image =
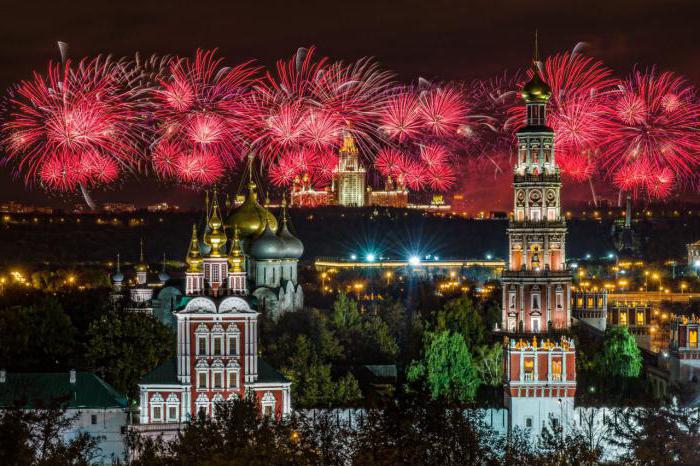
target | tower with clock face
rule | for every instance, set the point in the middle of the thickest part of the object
(536, 283)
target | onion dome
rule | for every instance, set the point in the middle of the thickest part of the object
(292, 247)
(215, 237)
(235, 258)
(250, 217)
(268, 246)
(117, 276)
(194, 259)
(536, 90)
(141, 266)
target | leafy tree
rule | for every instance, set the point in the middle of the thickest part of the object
(346, 316)
(557, 445)
(462, 316)
(620, 355)
(446, 368)
(488, 360)
(36, 437)
(124, 346)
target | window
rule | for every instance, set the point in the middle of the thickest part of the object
(202, 344)
(623, 317)
(233, 346)
(172, 413)
(217, 346)
(559, 300)
(528, 422)
(93, 419)
(589, 302)
(555, 422)
(535, 324)
(529, 366)
(157, 413)
(556, 370)
(535, 214)
(693, 338)
(551, 214)
(512, 301)
(640, 317)
(536, 302)
(217, 380)
(202, 380)
(267, 410)
(579, 302)
(233, 379)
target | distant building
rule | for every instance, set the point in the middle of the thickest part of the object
(349, 176)
(591, 307)
(118, 208)
(162, 207)
(685, 350)
(694, 257)
(625, 239)
(98, 408)
(395, 194)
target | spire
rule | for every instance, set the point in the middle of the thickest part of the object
(227, 203)
(118, 263)
(536, 56)
(215, 237)
(194, 261)
(163, 268)
(284, 210)
(235, 258)
(141, 253)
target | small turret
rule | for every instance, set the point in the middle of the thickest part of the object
(194, 259)
(163, 275)
(117, 276)
(215, 238)
(235, 258)
(141, 268)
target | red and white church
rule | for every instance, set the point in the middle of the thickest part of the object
(217, 339)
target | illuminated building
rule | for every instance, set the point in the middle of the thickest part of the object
(349, 175)
(591, 307)
(536, 284)
(685, 350)
(217, 326)
(625, 239)
(395, 194)
(540, 382)
(694, 257)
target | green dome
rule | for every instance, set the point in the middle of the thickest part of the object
(250, 217)
(536, 90)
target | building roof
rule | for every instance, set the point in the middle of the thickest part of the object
(165, 374)
(267, 374)
(51, 389)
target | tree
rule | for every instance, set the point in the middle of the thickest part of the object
(620, 355)
(36, 437)
(462, 316)
(346, 316)
(446, 368)
(488, 360)
(124, 346)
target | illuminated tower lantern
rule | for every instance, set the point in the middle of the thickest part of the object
(349, 175)
(536, 284)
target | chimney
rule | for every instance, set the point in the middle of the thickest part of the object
(72, 376)
(3, 376)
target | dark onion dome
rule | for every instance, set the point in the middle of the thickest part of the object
(292, 247)
(268, 246)
(117, 277)
(163, 276)
(536, 90)
(250, 217)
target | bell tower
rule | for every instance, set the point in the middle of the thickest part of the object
(536, 284)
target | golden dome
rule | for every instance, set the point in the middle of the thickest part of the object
(536, 90)
(250, 217)
(215, 238)
(235, 258)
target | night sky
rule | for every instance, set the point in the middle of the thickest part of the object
(443, 39)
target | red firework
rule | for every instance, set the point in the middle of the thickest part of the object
(433, 155)
(652, 122)
(70, 119)
(203, 110)
(443, 110)
(321, 130)
(389, 162)
(400, 119)
(579, 167)
(413, 173)
(440, 177)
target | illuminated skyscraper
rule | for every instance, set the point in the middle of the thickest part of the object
(349, 175)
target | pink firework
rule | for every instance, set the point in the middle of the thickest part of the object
(413, 173)
(199, 168)
(443, 110)
(661, 185)
(440, 177)
(579, 167)
(68, 116)
(433, 155)
(321, 130)
(389, 162)
(400, 119)
(652, 122)
(165, 158)
(634, 176)
(203, 108)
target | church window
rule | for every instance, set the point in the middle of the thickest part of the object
(551, 214)
(555, 422)
(640, 317)
(268, 404)
(233, 379)
(233, 346)
(579, 302)
(217, 346)
(202, 346)
(529, 366)
(589, 302)
(511, 300)
(202, 379)
(217, 380)
(693, 338)
(535, 214)
(93, 419)
(268, 410)
(528, 422)
(556, 370)
(559, 300)
(536, 302)
(172, 413)
(535, 324)
(157, 413)
(520, 215)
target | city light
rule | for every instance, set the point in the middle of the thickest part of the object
(370, 257)
(353, 257)
(414, 260)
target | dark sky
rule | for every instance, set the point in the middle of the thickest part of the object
(446, 39)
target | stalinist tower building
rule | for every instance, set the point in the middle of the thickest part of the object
(536, 284)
